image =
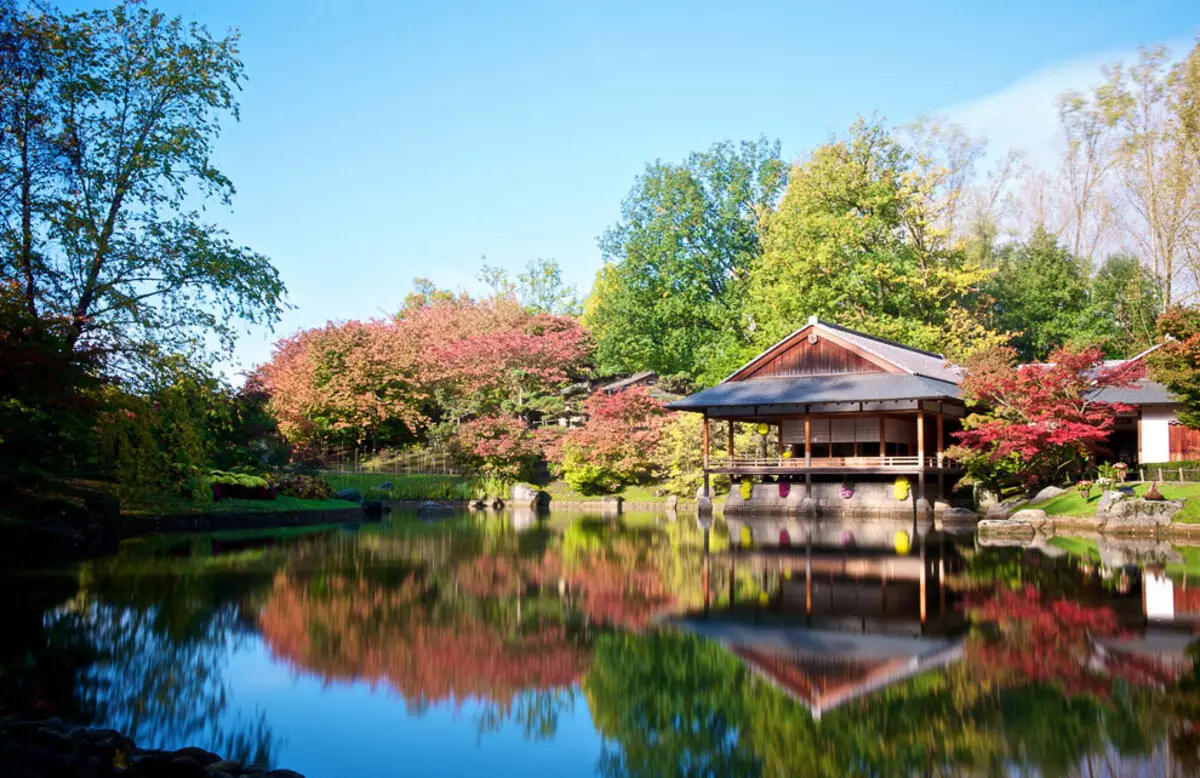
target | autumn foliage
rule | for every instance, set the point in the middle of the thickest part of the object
(1177, 363)
(1030, 637)
(618, 445)
(449, 358)
(1046, 416)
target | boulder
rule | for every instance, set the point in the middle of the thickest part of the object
(1031, 515)
(1124, 552)
(1006, 528)
(526, 496)
(959, 515)
(924, 508)
(1049, 493)
(479, 505)
(353, 495)
(1000, 510)
(375, 509)
(1108, 500)
(386, 486)
(1136, 513)
(671, 503)
(434, 510)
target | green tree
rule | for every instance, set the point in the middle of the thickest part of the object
(106, 158)
(859, 239)
(1041, 295)
(670, 295)
(1127, 302)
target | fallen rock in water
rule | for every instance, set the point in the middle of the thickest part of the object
(375, 509)
(353, 495)
(959, 515)
(1000, 510)
(1006, 529)
(34, 749)
(386, 486)
(430, 509)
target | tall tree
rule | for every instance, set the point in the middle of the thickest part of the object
(109, 119)
(1040, 294)
(860, 237)
(1125, 305)
(1152, 106)
(670, 295)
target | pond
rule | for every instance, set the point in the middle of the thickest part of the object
(574, 644)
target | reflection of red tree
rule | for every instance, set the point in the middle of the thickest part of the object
(355, 631)
(1027, 638)
(616, 586)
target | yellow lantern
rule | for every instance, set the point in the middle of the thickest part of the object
(747, 488)
(764, 598)
(746, 537)
(902, 542)
(900, 490)
(787, 453)
(763, 428)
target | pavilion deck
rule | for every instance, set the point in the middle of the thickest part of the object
(780, 465)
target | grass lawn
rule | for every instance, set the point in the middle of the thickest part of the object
(405, 486)
(75, 490)
(1073, 504)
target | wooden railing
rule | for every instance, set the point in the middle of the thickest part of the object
(836, 463)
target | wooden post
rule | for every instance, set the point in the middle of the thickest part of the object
(921, 438)
(705, 441)
(807, 441)
(882, 437)
(1139, 433)
(939, 439)
(731, 442)
(781, 440)
(808, 576)
(924, 591)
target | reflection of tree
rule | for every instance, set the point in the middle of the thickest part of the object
(1027, 637)
(425, 650)
(163, 689)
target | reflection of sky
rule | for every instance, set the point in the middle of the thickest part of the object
(343, 729)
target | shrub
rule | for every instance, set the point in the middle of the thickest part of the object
(306, 487)
(500, 445)
(238, 479)
(617, 447)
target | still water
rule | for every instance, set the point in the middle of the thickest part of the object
(582, 645)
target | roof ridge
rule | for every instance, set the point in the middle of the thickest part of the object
(876, 338)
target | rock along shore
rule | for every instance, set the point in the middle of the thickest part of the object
(52, 749)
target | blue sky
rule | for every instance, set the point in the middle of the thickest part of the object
(380, 141)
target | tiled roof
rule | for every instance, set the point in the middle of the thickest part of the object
(850, 387)
(912, 360)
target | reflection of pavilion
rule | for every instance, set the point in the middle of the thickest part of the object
(823, 669)
(834, 622)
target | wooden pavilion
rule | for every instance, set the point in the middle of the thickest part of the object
(835, 401)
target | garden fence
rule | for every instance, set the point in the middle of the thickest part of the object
(1165, 474)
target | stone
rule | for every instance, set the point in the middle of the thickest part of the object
(55, 740)
(198, 755)
(386, 486)
(523, 494)
(353, 495)
(1000, 510)
(1108, 500)
(430, 508)
(479, 505)
(375, 509)
(1049, 493)
(1135, 513)
(923, 507)
(671, 503)
(186, 767)
(228, 766)
(1029, 515)
(1124, 552)
(959, 514)
(1005, 528)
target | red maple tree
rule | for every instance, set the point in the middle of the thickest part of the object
(1048, 415)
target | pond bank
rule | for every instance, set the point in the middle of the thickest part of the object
(32, 749)
(1075, 526)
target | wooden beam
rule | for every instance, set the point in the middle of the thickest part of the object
(882, 436)
(779, 429)
(706, 440)
(1139, 435)
(730, 440)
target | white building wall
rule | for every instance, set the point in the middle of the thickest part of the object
(1156, 434)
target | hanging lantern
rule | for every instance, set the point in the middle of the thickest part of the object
(763, 428)
(902, 542)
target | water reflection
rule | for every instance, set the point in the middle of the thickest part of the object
(616, 646)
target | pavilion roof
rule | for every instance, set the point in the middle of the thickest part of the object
(846, 387)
